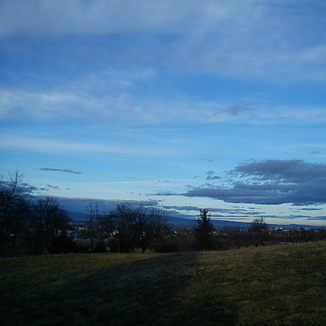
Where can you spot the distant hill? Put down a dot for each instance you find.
(217, 223)
(76, 216)
(225, 223)
(180, 221)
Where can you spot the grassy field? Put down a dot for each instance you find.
(279, 285)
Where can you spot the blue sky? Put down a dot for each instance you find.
(182, 104)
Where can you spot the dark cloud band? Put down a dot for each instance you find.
(61, 170)
(271, 182)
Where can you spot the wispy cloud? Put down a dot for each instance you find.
(58, 146)
(211, 176)
(60, 170)
(245, 37)
(225, 211)
(238, 109)
(317, 218)
(23, 188)
(128, 109)
(100, 16)
(81, 204)
(52, 186)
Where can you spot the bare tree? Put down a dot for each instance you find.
(131, 228)
(48, 221)
(258, 230)
(94, 228)
(14, 210)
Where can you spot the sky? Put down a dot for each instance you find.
(179, 105)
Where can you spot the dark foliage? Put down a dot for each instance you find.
(128, 228)
(204, 232)
(28, 227)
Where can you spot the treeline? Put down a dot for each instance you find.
(28, 226)
(126, 229)
(258, 234)
(37, 227)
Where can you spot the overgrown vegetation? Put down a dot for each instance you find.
(271, 285)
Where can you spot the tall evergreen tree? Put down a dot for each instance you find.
(203, 231)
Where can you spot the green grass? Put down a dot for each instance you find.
(278, 285)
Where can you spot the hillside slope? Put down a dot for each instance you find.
(279, 285)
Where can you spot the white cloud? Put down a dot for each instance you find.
(128, 109)
(242, 38)
(312, 54)
(113, 16)
(122, 108)
(112, 80)
(60, 146)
